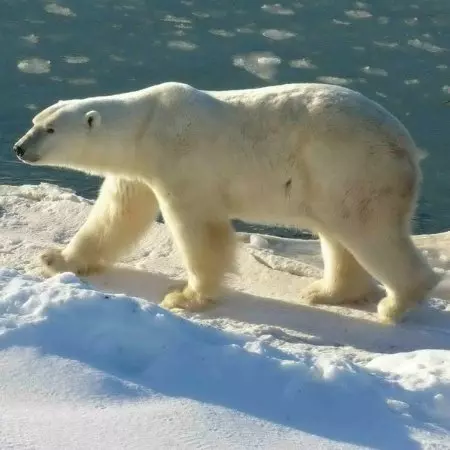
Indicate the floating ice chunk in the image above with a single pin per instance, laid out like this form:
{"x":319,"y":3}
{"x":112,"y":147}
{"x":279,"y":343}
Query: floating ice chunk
{"x":34,"y":65}
{"x":260,"y":64}
{"x":54,"y":8}
{"x":278,"y":35}
{"x":358,"y":14}
{"x":276,"y":8}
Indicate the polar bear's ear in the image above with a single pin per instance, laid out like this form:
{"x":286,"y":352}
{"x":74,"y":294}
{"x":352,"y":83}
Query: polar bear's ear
{"x":92,"y":119}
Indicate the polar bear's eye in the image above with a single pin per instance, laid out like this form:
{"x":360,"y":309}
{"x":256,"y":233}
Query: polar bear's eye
{"x":50,"y":130}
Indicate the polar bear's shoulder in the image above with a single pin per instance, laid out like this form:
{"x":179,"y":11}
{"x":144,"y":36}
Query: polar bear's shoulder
{"x":173,"y":90}
{"x":183,"y":98}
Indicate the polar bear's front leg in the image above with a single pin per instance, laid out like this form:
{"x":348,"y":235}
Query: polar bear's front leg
{"x":207,"y":246}
{"x":122,"y":213}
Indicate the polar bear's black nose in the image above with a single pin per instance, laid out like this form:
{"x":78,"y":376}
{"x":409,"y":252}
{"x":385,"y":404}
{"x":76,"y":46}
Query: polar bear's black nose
{"x":19,"y":150}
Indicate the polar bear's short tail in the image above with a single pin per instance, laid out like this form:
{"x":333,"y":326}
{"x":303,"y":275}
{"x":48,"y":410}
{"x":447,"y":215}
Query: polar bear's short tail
{"x":421,"y":154}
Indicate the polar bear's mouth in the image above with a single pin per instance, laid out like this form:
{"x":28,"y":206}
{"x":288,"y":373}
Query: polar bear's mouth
{"x":28,"y":159}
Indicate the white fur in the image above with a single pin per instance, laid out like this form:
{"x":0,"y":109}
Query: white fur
{"x":308,"y":155}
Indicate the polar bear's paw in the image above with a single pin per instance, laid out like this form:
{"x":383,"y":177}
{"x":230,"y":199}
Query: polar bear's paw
{"x":53,"y":261}
{"x":187,"y":299}
{"x":319,"y":293}
{"x":391,"y":311}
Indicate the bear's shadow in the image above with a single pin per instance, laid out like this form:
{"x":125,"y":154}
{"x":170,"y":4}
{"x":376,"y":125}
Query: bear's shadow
{"x":423,"y":328}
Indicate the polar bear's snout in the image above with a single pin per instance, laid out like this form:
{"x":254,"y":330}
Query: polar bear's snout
{"x":25,"y":147}
{"x":19,"y":150}
{"x":23,"y":154}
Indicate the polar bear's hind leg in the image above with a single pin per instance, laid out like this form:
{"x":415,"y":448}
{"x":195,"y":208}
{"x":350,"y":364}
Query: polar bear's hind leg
{"x":344,"y":279}
{"x":394,"y":260}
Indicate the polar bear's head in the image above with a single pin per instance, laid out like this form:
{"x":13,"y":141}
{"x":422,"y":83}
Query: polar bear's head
{"x":71,"y":134}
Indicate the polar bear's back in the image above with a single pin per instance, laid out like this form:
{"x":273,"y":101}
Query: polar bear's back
{"x":288,"y":114}
{"x":317,"y":124}
{"x":320,"y":107}
{"x":296,"y":115}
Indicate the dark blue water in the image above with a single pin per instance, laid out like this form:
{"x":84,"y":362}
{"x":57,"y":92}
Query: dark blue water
{"x":396,"y":52}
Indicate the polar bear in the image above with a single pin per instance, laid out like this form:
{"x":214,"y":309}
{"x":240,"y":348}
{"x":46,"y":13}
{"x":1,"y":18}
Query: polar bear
{"x":309,"y":155}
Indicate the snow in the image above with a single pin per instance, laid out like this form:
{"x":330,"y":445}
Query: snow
{"x":96,"y":363}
